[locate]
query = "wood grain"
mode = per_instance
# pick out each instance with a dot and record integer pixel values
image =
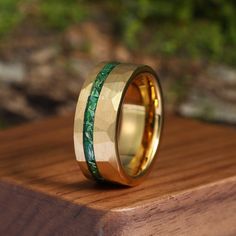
(191, 190)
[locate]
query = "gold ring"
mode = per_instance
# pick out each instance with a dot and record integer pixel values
(118, 123)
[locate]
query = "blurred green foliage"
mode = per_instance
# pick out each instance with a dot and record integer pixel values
(188, 28)
(58, 14)
(10, 15)
(52, 14)
(193, 28)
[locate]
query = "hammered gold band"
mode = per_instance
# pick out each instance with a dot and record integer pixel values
(118, 123)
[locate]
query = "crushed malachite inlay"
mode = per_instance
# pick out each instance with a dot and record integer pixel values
(89, 116)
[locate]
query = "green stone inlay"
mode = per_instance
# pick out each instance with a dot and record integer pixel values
(89, 115)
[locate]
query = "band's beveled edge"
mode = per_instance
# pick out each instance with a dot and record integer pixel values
(89, 116)
(135, 180)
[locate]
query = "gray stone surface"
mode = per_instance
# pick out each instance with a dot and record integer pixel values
(213, 95)
(12, 72)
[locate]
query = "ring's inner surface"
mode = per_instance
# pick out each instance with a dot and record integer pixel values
(139, 124)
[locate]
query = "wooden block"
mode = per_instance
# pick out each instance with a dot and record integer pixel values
(191, 190)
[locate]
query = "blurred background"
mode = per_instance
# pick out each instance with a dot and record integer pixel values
(48, 47)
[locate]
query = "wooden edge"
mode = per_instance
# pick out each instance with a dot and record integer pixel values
(26, 212)
(205, 210)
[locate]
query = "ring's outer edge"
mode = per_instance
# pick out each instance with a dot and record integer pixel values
(108, 107)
